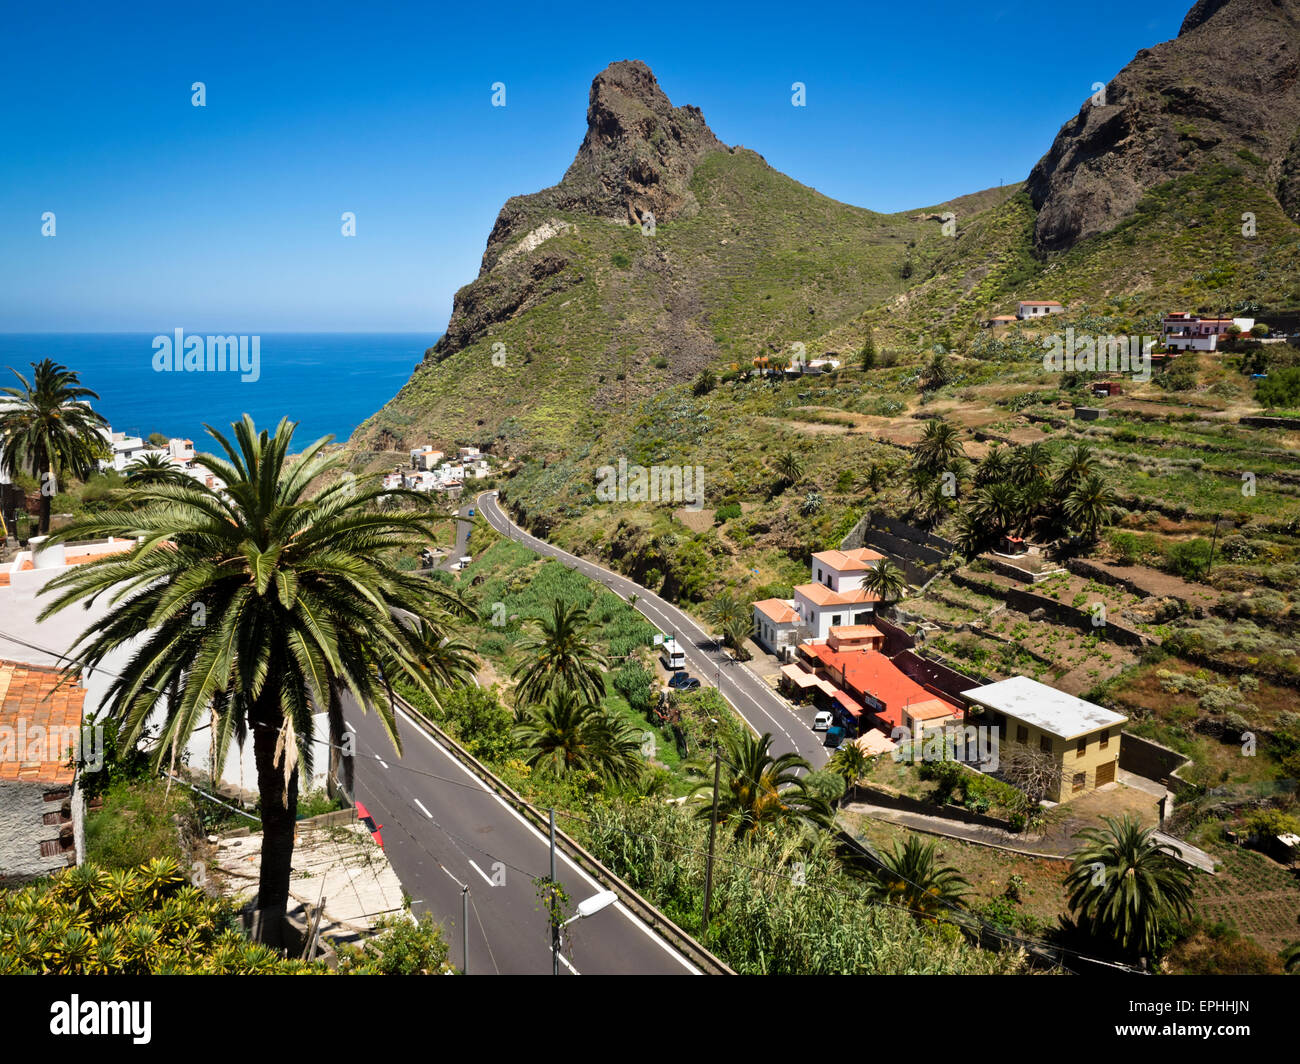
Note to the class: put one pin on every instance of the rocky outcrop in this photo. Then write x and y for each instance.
(635, 162)
(1229, 83)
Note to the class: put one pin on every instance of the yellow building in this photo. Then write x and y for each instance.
(1081, 737)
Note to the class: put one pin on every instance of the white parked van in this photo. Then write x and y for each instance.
(671, 656)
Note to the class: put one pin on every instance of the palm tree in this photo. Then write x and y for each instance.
(1032, 502)
(939, 448)
(736, 630)
(1076, 464)
(886, 581)
(1291, 955)
(1029, 463)
(849, 763)
(972, 535)
(705, 382)
(789, 468)
(993, 468)
(47, 429)
(567, 734)
(937, 372)
(561, 654)
(726, 607)
(151, 468)
(996, 507)
(934, 501)
(1091, 505)
(1126, 887)
(875, 476)
(252, 604)
(911, 878)
(757, 789)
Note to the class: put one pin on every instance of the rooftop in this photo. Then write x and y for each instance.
(778, 611)
(820, 595)
(848, 561)
(1044, 707)
(38, 718)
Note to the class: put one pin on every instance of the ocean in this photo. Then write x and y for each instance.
(328, 382)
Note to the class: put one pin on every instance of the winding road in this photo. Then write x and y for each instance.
(763, 708)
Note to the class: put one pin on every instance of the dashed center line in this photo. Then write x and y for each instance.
(486, 878)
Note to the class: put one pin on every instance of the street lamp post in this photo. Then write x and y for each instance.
(590, 907)
(713, 831)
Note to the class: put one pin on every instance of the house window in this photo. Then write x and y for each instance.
(1082, 749)
(1105, 738)
(819, 573)
(835, 619)
(861, 618)
(1080, 781)
(1022, 734)
(1045, 743)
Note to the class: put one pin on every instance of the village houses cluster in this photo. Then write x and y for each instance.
(860, 672)
(435, 471)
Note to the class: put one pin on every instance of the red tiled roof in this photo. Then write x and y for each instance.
(870, 672)
(778, 611)
(820, 595)
(35, 718)
(849, 561)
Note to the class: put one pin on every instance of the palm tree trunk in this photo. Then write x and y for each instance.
(278, 818)
(47, 481)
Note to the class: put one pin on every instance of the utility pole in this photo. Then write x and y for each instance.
(464, 927)
(555, 923)
(1213, 540)
(713, 830)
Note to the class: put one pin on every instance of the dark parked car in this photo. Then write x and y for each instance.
(681, 681)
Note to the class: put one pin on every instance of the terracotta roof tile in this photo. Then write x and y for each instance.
(38, 715)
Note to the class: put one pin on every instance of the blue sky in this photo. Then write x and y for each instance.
(227, 217)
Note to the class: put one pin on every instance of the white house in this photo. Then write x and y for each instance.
(776, 626)
(1181, 331)
(425, 457)
(126, 449)
(1038, 308)
(834, 599)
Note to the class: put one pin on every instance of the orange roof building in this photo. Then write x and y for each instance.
(40, 801)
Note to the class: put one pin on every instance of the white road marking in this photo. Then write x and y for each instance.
(565, 961)
(486, 878)
(654, 608)
(381, 761)
(635, 920)
(422, 809)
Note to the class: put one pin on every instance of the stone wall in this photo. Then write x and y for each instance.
(1144, 757)
(1063, 613)
(24, 808)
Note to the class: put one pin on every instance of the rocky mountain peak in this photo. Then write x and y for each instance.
(1226, 88)
(636, 159)
(639, 151)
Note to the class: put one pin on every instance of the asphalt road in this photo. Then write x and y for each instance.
(443, 827)
(762, 707)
